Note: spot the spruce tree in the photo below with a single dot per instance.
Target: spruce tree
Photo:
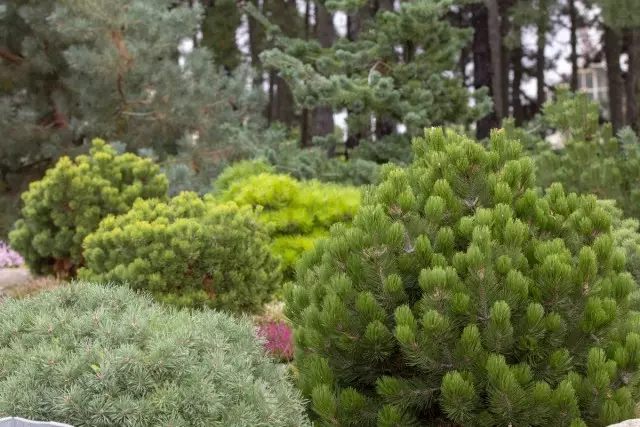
(415, 86)
(461, 297)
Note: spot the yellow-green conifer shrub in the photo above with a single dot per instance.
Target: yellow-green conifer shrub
(67, 204)
(187, 252)
(297, 213)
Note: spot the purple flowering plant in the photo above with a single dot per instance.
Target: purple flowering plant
(9, 257)
(279, 341)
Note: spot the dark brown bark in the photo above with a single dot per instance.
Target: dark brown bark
(482, 64)
(540, 57)
(573, 18)
(305, 117)
(613, 50)
(505, 27)
(325, 34)
(385, 125)
(355, 25)
(516, 84)
(495, 46)
(633, 79)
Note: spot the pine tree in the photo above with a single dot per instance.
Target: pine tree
(461, 297)
(78, 69)
(366, 76)
(593, 159)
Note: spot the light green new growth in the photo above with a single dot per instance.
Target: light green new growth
(188, 253)
(73, 197)
(296, 213)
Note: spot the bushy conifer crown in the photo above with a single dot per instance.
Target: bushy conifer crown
(461, 297)
(89, 355)
(187, 252)
(62, 208)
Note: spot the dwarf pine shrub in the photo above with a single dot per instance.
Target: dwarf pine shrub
(67, 204)
(98, 356)
(297, 213)
(186, 252)
(459, 296)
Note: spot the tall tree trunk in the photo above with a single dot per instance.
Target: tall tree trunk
(613, 50)
(516, 85)
(573, 18)
(505, 56)
(543, 24)
(385, 125)
(355, 25)
(482, 64)
(633, 79)
(325, 33)
(495, 46)
(306, 131)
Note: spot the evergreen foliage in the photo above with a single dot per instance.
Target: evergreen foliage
(186, 252)
(297, 213)
(111, 68)
(98, 356)
(626, 234)
(459, 296)
(366, 74)
(73, 197)
(593, 160)
(313, 163)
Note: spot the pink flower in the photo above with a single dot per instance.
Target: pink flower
(279, 339)
(9, 257)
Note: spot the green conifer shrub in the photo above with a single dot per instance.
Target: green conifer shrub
(186, 252)
(593, 160)
(62, 208)
(459, 296)
(89, 355)
(296, 213)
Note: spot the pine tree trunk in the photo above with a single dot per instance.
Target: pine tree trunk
(305, 118)
(505, 27)
(482, 64)
(495, 46)
(613, 50)
(540, 57)
(516, 90)
(355, 25)
(573, 18)
(325, 33)
(385, 125)
(633, 79)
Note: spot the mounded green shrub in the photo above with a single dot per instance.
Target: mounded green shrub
(461, 297)
(240, 171)
(98, 356)
(73, 197)
(186, 252)
(297, 213)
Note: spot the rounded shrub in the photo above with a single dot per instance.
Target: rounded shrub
(98, 356)
(186, 252)
(297, 213)
(459, 296)
(73, 197)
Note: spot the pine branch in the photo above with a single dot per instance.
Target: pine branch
(13, 57)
